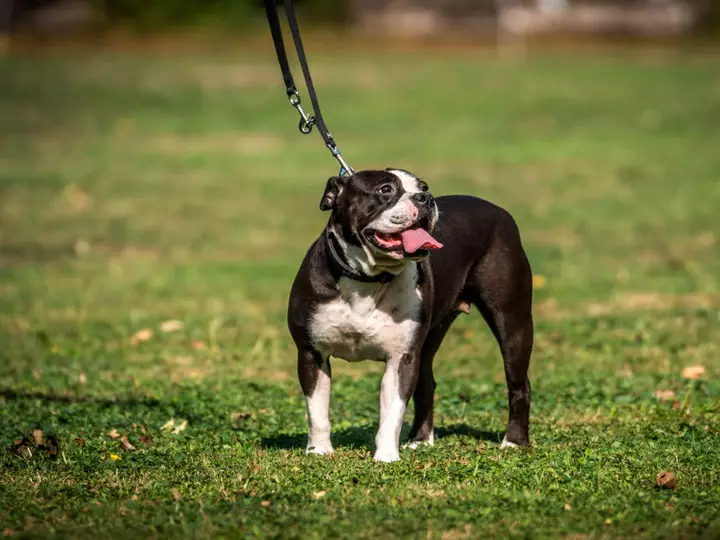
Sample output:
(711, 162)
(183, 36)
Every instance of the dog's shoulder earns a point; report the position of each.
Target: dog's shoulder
(313, 285)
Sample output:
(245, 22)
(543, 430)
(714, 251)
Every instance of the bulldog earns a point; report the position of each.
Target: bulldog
(385, 280)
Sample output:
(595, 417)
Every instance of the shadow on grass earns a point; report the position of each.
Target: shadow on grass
(467, 431)
(9, 393)
(362, 438)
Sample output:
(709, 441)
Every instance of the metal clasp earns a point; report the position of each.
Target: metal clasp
(345, 169)
(306, 121)
(305, 126)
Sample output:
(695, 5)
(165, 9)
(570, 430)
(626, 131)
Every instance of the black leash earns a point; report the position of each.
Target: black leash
(306, 121)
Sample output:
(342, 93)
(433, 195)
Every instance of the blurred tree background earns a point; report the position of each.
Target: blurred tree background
(478, 17)
(193, 12)
(156, 15)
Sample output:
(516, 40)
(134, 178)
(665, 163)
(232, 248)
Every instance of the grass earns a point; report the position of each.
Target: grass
(137, 189)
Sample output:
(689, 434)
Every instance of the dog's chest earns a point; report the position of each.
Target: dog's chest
(369, 321)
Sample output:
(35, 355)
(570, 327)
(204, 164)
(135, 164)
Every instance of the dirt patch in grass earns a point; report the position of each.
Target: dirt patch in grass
(268, 373)
(628, 303)
(653, 301)
(228, 76)
(236, 143)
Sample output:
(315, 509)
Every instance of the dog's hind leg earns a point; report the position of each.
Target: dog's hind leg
(516, 337)
(422, 430)
(501, 287)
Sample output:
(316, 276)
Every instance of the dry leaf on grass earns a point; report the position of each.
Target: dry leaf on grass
(141, 335)
(77, 198)
(171, 326)
(319, 494)
(24, 447)
(665, 480)
(538, 281)
(21, 447)
(198, 345)
(176, 494)
(52, 447)
(146, 440)
(125, 444)
(114, 434)
(693, 372)
(567, 507)
(237, 417)
(664, 395)
(266, 504)
(81, 247)
(80, 442)
(82, 379)
(38, 437)
(175, 428)
(706, 239)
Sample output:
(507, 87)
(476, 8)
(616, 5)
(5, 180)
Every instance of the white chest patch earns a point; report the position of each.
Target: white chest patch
(369, 321)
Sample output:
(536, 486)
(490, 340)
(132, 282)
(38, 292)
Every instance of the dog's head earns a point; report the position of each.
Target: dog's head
(388, 214)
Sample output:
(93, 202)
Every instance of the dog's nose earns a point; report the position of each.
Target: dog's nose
(423, 198)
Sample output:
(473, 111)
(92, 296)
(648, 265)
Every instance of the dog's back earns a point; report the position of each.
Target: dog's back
(483, 239)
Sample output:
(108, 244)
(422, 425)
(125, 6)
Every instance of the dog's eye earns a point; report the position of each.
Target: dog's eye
(423, 186)
(386, 189)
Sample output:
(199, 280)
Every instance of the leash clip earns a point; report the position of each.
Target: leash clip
(306, 121)
(306, 124)
(345, 169)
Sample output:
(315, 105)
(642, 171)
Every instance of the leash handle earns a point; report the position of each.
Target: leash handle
(307, 121)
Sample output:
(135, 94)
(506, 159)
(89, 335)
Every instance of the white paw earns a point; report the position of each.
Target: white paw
(386, 457)
(508, 444)
(320, 449)
(413, 445)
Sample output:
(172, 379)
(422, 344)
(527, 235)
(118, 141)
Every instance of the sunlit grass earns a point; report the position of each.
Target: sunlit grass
(136, 190)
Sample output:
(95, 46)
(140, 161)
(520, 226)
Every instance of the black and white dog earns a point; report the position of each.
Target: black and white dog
(386, 279)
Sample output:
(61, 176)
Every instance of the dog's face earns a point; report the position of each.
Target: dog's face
(389, 214)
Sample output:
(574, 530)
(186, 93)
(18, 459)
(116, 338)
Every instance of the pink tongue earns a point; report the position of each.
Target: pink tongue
(414, 239)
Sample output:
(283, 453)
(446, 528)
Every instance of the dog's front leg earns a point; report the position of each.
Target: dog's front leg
(398, 384)
(315, 380)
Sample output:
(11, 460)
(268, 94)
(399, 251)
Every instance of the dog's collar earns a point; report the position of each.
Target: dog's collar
(344, 268)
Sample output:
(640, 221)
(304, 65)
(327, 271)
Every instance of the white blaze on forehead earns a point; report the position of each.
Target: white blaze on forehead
(403, 213)
(409, 182)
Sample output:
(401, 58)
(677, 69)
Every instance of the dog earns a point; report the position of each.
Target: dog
(385, 280)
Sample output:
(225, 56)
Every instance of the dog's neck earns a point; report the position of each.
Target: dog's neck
(361, 260)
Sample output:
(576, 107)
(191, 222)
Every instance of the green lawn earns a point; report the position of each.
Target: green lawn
(137, 189)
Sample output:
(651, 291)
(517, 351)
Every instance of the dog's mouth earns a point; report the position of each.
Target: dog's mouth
(413, 241)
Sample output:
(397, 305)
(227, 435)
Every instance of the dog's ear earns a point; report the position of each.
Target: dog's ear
(333, 189)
